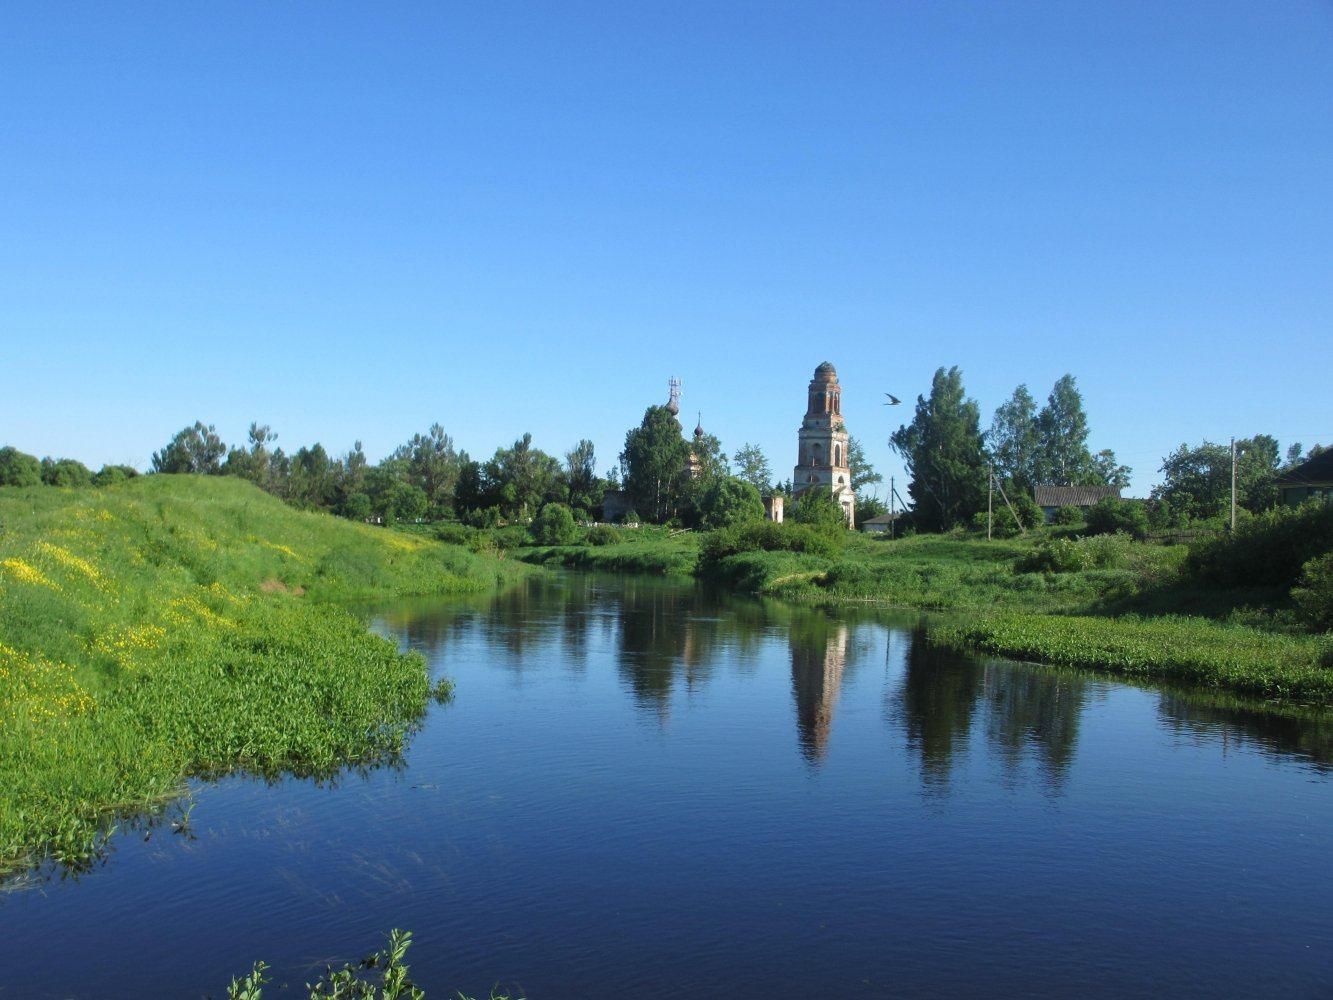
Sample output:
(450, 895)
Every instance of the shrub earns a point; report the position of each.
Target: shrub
(629, 517)
(65, 472)
(111, 475)
(1109, 516)
(1059, 555)
(1067, 516)
(1106, 551)
(452, 533)
(554, 525)
(818, 509)
(19, 469)
(768, 536)
(1269, 549)
(602, 534)
(1003, 523)
(726, 501)
(1314, 597)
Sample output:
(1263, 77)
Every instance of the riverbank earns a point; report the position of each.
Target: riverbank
(1105, 603)
(175, 626)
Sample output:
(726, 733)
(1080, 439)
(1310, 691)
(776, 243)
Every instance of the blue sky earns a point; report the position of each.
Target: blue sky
(353, 220)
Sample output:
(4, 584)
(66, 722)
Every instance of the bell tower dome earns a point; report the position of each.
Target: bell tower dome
(822, 442)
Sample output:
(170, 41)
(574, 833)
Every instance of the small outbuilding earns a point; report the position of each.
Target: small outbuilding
(880, 524)
(1052, 498)
(1311, 480)
(773, 507)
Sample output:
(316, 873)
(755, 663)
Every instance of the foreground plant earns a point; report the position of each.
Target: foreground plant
(383, 975)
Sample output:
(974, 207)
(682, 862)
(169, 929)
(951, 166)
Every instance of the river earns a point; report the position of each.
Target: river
(644, 789)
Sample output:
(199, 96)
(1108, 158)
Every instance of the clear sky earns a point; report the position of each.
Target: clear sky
(351, 220)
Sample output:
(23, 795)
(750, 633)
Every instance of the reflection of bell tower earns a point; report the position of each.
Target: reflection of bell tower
(823, 460)
(816, 680)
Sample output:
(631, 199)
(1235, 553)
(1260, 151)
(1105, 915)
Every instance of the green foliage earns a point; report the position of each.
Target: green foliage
(196, 449)
(1271, 548)
(1314, 595)
(65, 472)
(656, 460)
(752, 466)
(112, 475)
(1015, 441)
(863, 473)
(169, 628)
(585, 488)
(1192, 650)
(1066, 516)
(942, 449)
(554, 525)
(725, 501)
(405, 502)
(818, 509)
(18, 468)
(1110, 515)
(602, 534)
(381, 976)
(630, 517)
(769, 536)
(1055, 555)
(1063, 428)
(1197, 481)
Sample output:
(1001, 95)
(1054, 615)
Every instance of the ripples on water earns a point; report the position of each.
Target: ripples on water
(644, 789)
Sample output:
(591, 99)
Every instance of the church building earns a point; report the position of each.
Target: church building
(822, 459)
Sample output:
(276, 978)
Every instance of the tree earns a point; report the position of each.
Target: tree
(256, 463)
(196, 449)
(818, 508)
(581, 480)
(431, 464)
(1063, 429)
(110, 475)
(1108, 472)
(655, 461)
(1109, 515)
(18, 468)
(554, 525)
(863, 473)
(405, 502)
(727, 500)
(942, 449)
(522, 479)
(752, 467)
(1197, 481)
(65, 472)
(1015, 441)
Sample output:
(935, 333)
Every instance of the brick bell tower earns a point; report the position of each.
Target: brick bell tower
(822, 460)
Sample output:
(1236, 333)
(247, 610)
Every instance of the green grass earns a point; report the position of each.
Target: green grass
(647, 551)
(1191, 650)
(178, 626)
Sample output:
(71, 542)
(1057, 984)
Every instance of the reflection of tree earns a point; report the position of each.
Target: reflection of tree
(1037, 710)
(936, 702)
(1235, 722)
(818, 658)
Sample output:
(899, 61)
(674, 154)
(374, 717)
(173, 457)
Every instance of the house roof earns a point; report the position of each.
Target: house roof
(882, 519)
(1317, 471)
(1072, 496)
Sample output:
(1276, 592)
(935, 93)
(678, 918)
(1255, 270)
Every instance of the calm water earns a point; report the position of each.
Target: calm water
(645, 790)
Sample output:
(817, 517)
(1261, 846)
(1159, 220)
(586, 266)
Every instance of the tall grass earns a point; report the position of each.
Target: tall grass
(182, 625)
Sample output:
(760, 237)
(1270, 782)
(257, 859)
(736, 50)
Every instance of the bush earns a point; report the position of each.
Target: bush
(111, 475)
(1003, 523)
(65, 472)
(1109, 516)
(1067, 516)
(1314, 597)
(452, 533)
(602, 534)
(629, 517)
(768, 536)
(19, 469)
(1269, 549)
(818, 509)
(554, 525)
(726, 501)
(1059, 555)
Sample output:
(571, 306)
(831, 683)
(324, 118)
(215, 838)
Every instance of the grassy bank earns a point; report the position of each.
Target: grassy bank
(182, 625)
(646, 550)
(1190, 650)
(1103, 603)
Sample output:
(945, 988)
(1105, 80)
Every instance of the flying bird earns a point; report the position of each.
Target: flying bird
(893, 400)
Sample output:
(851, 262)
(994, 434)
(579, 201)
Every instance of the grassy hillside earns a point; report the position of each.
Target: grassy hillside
(181, 625)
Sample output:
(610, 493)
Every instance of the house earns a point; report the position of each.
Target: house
(1052, 498)
(1311, 480)
(879, 525)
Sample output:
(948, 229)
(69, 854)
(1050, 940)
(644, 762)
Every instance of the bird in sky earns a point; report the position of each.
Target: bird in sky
(893, 400)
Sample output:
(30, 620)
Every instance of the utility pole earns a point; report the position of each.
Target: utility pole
(990, 495)
(893, 515)
(1233, 485)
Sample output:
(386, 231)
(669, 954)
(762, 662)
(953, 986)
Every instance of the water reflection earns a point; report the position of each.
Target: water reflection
(669, 637)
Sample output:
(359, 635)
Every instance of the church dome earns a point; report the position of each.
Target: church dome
(826, 372)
